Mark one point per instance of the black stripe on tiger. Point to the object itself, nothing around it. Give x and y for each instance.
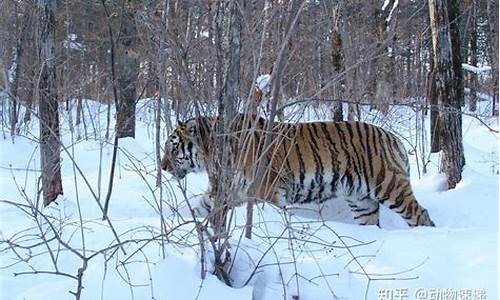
(333, 155)
(358, 164)
(301, 168)
(318, 177)
(365, 161)
(346, 177)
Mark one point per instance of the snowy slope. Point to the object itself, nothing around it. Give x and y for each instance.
(300, 252)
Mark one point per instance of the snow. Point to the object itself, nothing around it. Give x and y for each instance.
(480, 95)
(313, 252)
(386, 3)
(263, 81)
(196, 288)
(477, 70)
(390, 51)
(11, 73)
(394, 6)
(71, 43)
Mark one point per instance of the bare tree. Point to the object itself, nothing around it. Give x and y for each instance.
(228, 26)
(492, 12)
(450, 129)
(386, 41)
(473, 58)
(434, 110)
(22, 23)
(48, 107)
(127, 70)
(453, 7)
(338, 63)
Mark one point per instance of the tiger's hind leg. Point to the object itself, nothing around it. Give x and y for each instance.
(365, 211)
(401, 200)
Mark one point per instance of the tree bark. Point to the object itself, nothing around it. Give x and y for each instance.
(48, 107)
(128, 70)
(434, 116)
(13, 114)
(18, 62)
(386, 41)
(162, 85)
(473, 60)
(338, 65)
(453, 15)
(432, 101)
(450, 130)
(29, 102)
(222, 172)
(295, 7)
(492, 9)
(371, 84)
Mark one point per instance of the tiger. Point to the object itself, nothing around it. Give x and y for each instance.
(308, 162)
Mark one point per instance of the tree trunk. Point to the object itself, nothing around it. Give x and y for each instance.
(386, 41)
(473, 60)
(294, 8)
(419, 65)
(17, 62)
(13, 119)
(79, 116)
(338, 65)
(446, 93)
(48, 108)
(453, 15)
(492, 8)
(228, 27)
(432, 101)
(162, 85)
(352, 108)
(29, 102)
(371, 85)
(434, 117)
(128, 69)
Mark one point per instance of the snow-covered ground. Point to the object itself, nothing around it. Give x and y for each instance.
(304, 253)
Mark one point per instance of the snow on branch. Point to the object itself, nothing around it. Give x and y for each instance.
(477, 70)
(386, 2)
(71, 43)
(394, 6)
(262, 82)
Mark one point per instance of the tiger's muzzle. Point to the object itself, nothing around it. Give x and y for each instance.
(177, 173)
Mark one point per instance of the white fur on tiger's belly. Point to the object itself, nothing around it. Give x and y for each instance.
(335, 209)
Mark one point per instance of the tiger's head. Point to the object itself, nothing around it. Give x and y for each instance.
(182, 150)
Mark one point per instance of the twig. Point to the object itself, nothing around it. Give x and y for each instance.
(115, 95)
